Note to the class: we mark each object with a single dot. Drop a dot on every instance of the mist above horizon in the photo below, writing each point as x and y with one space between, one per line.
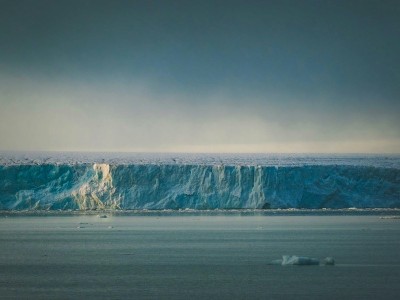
200 76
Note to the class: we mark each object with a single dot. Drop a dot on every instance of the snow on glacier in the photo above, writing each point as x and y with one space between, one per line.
175 181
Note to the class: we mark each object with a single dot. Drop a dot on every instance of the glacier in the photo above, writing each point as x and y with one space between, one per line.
104 185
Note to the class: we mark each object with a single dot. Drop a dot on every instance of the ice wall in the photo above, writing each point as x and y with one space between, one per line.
151 186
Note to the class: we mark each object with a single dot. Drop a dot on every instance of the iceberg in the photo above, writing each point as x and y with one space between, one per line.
86 186
329 261
294 260
298 260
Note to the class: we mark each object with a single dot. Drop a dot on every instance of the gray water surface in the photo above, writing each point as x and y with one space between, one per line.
197 257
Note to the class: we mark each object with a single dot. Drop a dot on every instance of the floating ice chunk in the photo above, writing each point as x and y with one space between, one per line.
298 260
329 261
288 260
276 262
102 216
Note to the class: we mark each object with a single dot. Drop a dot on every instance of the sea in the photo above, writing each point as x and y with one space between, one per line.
197 255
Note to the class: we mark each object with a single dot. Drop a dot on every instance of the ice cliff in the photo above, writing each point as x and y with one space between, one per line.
152 186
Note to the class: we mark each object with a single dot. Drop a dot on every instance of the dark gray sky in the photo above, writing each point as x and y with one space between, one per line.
200 76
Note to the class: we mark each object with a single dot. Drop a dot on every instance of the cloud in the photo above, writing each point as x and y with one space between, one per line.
43 114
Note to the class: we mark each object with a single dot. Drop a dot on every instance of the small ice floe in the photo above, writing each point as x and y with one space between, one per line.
102 216
79 227
294 260
329 261
110 227
298 260
390 217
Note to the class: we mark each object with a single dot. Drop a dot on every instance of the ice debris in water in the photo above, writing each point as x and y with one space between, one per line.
329 261
289 260
298 260
102 216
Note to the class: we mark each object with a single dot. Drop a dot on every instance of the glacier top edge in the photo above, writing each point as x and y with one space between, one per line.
266 160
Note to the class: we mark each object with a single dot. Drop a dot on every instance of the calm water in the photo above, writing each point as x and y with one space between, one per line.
197 257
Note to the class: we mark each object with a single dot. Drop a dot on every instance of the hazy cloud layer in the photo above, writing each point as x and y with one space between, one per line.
199 76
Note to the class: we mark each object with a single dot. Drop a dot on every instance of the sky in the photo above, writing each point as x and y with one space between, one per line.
289 76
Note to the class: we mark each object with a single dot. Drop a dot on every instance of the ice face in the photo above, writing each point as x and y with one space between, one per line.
179 186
